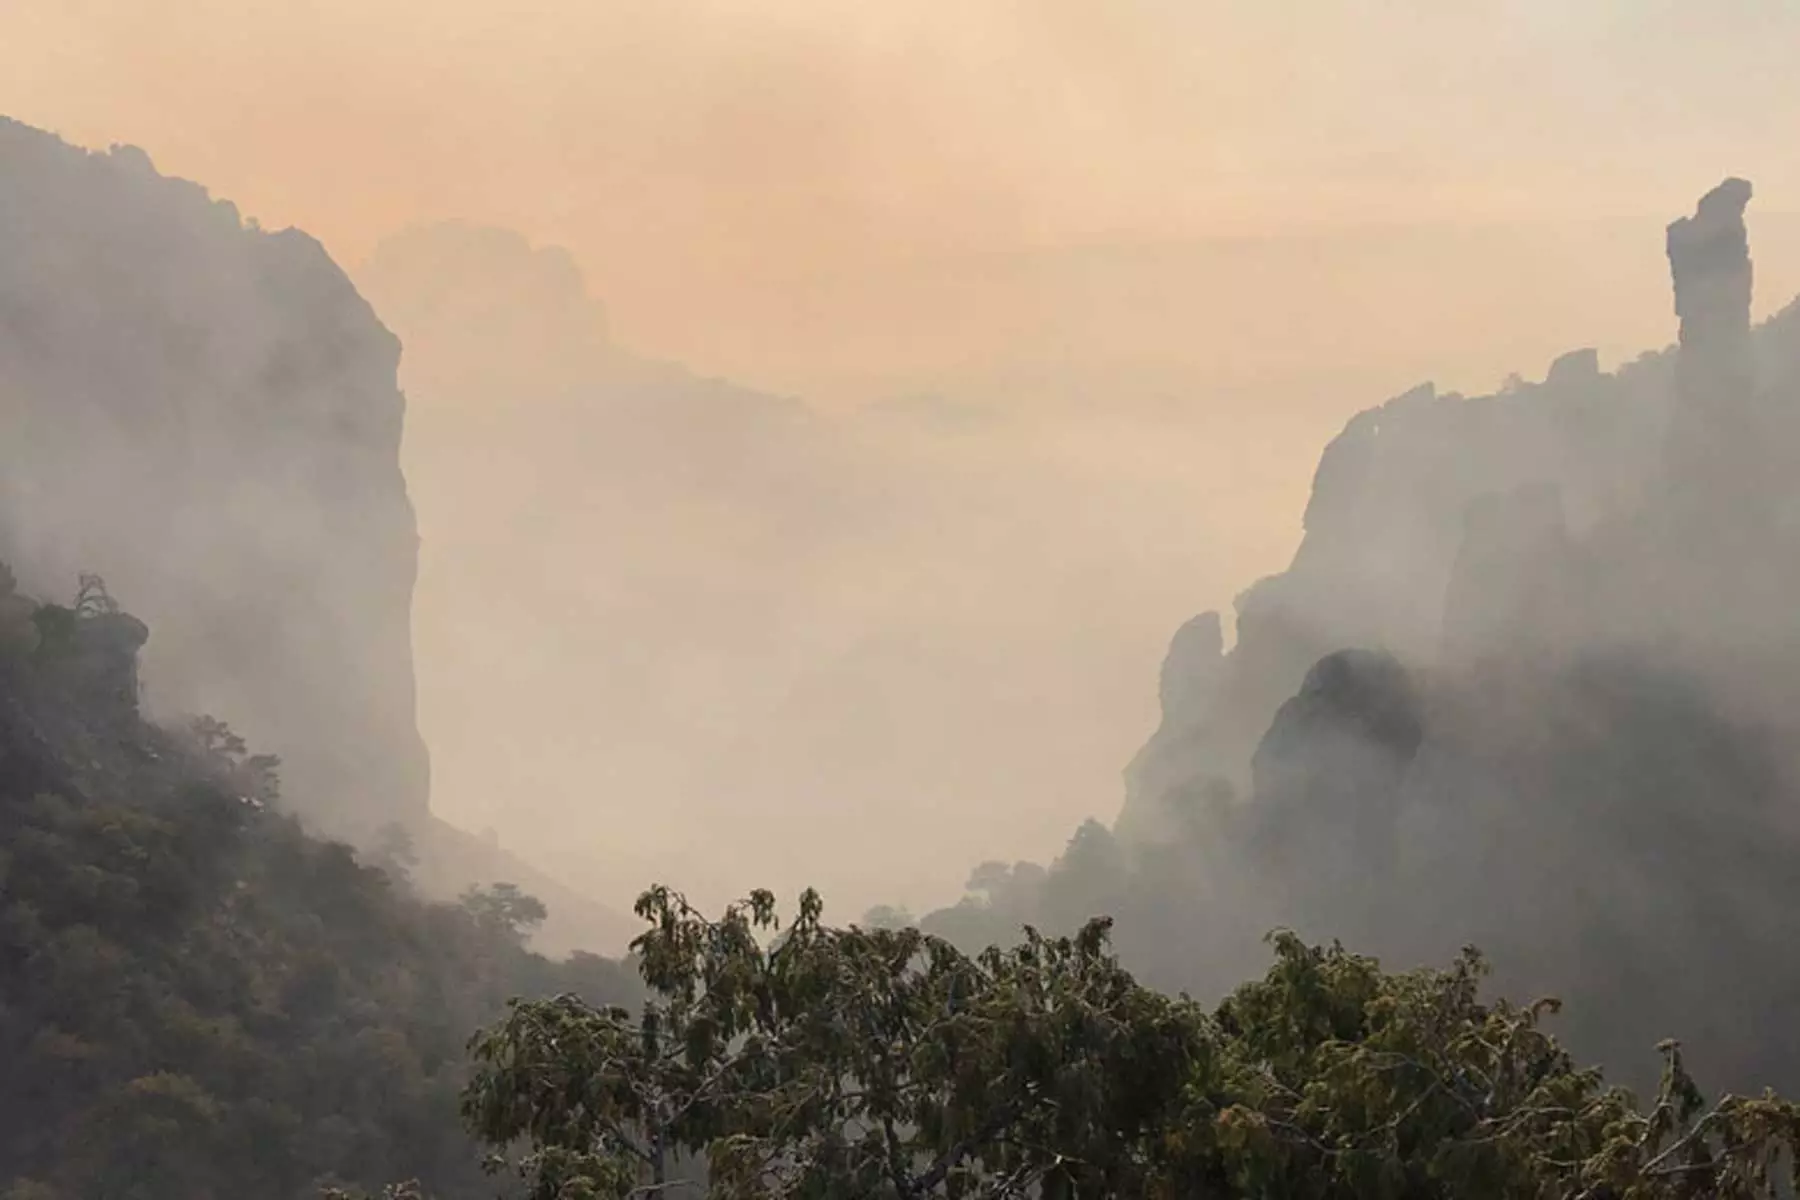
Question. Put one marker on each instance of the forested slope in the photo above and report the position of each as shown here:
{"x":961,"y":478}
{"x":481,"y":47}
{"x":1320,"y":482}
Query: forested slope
{"x":197,"y":999}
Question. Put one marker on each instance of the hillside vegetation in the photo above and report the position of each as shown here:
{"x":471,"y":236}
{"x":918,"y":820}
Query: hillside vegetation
{"x":199,"y":1001}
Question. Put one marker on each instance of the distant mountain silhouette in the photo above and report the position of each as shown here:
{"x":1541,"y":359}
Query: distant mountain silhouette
{"x":754,"y":630}
{"x":1531,"y":682}
{"x":207,"y":415}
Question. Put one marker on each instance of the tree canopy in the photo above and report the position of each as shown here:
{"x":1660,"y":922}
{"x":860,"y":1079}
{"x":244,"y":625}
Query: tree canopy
{"x":198,"y":1000}
{"x":818,"y":1062}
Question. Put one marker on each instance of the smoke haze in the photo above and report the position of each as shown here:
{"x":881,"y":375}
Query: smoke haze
{"x":806,"y":197}
{"x":1035,"y":318}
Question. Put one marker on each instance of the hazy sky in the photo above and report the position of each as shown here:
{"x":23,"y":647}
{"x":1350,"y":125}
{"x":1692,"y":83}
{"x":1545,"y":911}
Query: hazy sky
{"x":723,"y":165}
{"x":1185,"y":238}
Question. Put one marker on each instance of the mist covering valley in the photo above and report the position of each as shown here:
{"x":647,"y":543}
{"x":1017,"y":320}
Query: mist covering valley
{"x":373,"y":631}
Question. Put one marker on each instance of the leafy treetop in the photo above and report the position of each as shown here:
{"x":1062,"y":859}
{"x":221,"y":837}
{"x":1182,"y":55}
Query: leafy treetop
{"x":815,"y":1062}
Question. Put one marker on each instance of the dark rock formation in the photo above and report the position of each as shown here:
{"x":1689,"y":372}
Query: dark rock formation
{"x":1709,"y":257}
{"x":1709,"y":260}
{"x":207,"y":414}
{"x":1576,"y":369}
{"x":105,"y":661}
{"x":1387,"y":523}
{"x":1716,"y":463}
{"x":1179,"y":753}
{"x":1635,"y":510}
{"x":1530,"y":683}
{"x":1190,"y":675}
{"x":1326,"y":777}
{"x":18,"y":633}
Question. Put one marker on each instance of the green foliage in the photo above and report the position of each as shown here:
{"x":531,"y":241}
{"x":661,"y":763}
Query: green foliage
{"x":505,"y":910}
{"x":199,"y":1001}
{"x":394,"y":852}
{"x":225,"y":758}
{"x":57,"y":625}
{"x":55,"y":628}
{"x":825,"y":1063}
{"x":410,"y":1190}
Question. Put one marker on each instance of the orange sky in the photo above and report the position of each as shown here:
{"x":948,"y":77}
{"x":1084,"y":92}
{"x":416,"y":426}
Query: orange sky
{"x":704,"y":158}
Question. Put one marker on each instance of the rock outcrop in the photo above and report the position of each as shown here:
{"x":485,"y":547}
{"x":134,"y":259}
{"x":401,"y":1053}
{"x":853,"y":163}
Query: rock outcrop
{"x":1709,"y":261}
{"x":207,"y":414}
{"x":1543,"y":663}
{"x":1387,"y":524}
{"x":1641,"y":510}
{"x":1721,"y":458}
{"x":1326,"y":777}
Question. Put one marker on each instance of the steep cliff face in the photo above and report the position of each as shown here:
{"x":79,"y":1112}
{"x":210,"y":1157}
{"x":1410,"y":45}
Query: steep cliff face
{"x":1716,"y":422}
{"x":207,"y":414}
{"x":1544,"y":666}
{"x":1444,"y":528}
{"x":1392,"y":500}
